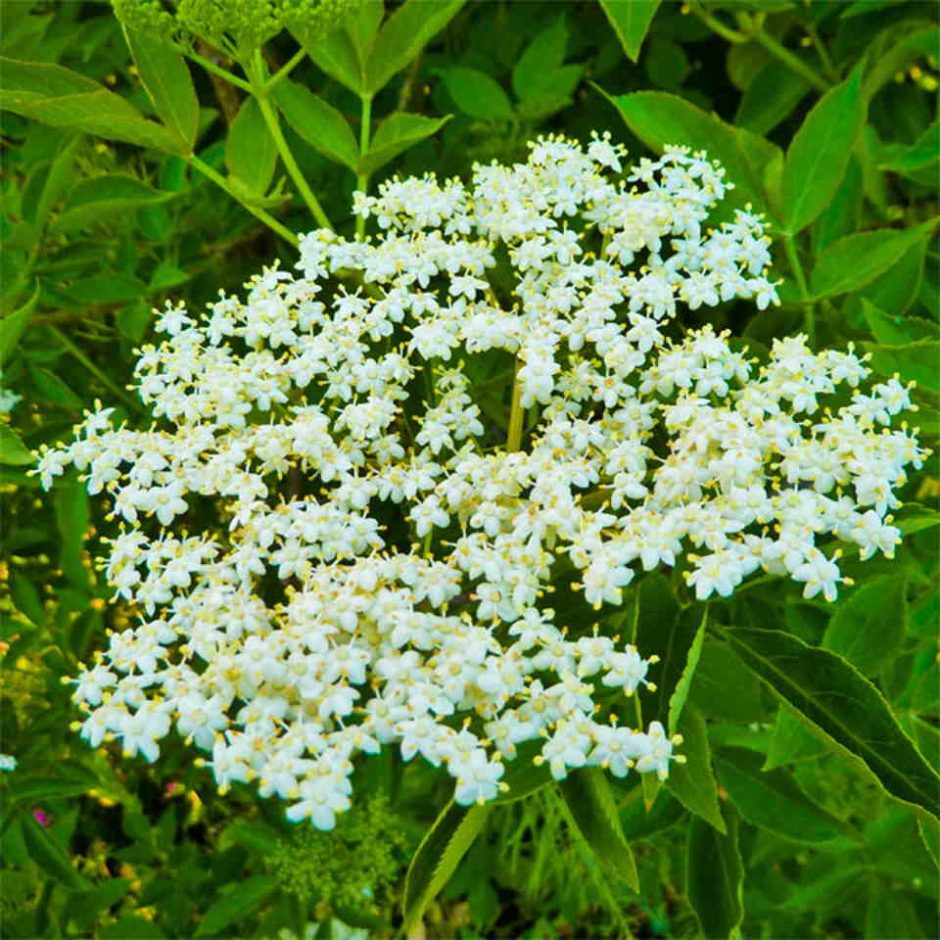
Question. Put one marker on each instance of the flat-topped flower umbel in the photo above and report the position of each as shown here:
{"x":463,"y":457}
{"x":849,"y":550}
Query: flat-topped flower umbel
{"x":374,"y":554}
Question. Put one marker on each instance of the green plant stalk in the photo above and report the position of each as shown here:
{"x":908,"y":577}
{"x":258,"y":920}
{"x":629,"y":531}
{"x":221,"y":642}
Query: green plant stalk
{"x":516,"y":414}
{"x":92,"y":368}
{"x":293,"y":170}
{"x":755,"y":32}
{"x":222,"y":73}
{"x":285,"y":69}
{"x":828,"y":65}
{"x":793,"y":62}
{"x":809,"y":311}
{"x":260,"y":214}
{"x":716,"y":26}
{"x":362,"y":179}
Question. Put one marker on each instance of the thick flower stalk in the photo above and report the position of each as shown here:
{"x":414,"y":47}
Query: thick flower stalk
{"x":333,"y":549}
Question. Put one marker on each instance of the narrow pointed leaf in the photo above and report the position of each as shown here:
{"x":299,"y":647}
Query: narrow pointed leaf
{"x":772,"y":800}
{"x":60,"y":97}
{"x":834,"y":698}
{"x":660,"y":120}
{"x":858,"y":259}
{"x":715,"y":875}
{"x":631,"y":20}
{"x":317,"y":122}
{"x":166,"y":78}
{"x":693,"y":783}
{"x":404,"y":34}
{"x":395,"y":135}
{"x":438,"y":856}
{"x":868,"y":628}
{"x":236,"y":903}
{"x":593,"y":809}
{"x":476,"y":94}
{"x":820,"y":151}
{"x":250,"y":153}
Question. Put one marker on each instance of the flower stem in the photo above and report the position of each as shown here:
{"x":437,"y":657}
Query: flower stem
{"x":516,"y":414}
{"x":294,"y":171}
{"x":809,"y":311}
{"x":793,"y":62}
{"x":285,"y":69}
{"x":222,"y":73}
{"x":362,"y":179}
{"x":260,"y":214}
{"x":92,"y":368}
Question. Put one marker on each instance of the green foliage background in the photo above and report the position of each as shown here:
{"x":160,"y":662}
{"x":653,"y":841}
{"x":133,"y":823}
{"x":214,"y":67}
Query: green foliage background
{"x":187,"y":151}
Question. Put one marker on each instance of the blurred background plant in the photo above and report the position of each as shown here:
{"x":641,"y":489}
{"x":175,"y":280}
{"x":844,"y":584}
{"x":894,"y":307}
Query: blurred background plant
{"x":171,"y":150}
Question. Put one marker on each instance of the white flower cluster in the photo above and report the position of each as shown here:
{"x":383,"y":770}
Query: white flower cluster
{"x":375,"y":556}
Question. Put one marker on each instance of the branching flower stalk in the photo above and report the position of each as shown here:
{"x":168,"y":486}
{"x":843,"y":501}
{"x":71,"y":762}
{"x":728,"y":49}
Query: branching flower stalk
{"x":299,"y":633}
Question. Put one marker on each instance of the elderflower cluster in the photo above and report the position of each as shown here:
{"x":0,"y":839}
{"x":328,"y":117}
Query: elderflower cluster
{"x":334,"y":545}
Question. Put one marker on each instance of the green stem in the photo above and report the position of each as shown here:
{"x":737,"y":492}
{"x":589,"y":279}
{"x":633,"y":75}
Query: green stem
{"x":286,"y":69}
{"x":224,"y":74}
{"x":716,"y":26}
{"x":828,"y":65}
{"x":362,"y":179}
{"x":516,"y":414}
{"x":257,"y":212}
{"x":809,"y":312}
{"x":293,"y":170}
{"x":100,"y":375}
{"x":793,"y":62}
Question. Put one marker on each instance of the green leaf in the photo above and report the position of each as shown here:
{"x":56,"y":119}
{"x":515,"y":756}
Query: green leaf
{"x":257,"y":836}
{"x":317,"y":123}
{"x":890,"y":914}
{"x":772,"y":800}
{"x":396,"y":134}
{"x":819,"y":153}
{"x":404,"y":34}
{"x":640,"y":823}
{"x":841,"y":216}
{"x":55,"y":181}
{"x":53,"y":389}
{"x":907,"y":158}
{"x":13,"y":452}
{"x":693,"y":783}
{"x":57,"y":96}
{"x":250,"y":153}
{"x":26,"y":598}
{"x":683,"y":682}
{"x":237,"y":902}
{"x":791,"y":741}
{"x":438,"y":855}
{"x":72,"y":519}
{"x":770,"y":98}
{"x":630,"y":19}
{"x":102,"y":197}
{"x":594,"y":812}
{"x":869,"y":627}
{"x":714,"y":875}
{"x":476,"y":94}
{"x":915,"y":362}
{"x":675,"y":636}
{"x":856,"y":260}
{"x":13,"y":325}
{"x":898,"y":287}
{"x":831,"y":696}
{"x":51,"y":859}
{"x":344,"y":54}
{"x":166,"y":78}
{"x":544,"y":54}
{"x":660,"y":119}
